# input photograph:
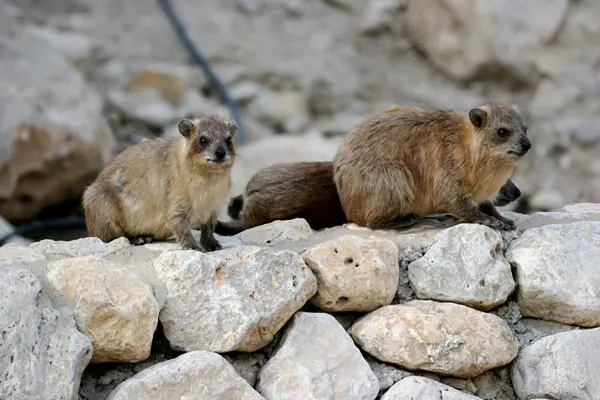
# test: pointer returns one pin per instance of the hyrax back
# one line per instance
(302, 190)
(407, 162)
(164, 187)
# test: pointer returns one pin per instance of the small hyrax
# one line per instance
(302, 190)
(164, 187)
(405, 163)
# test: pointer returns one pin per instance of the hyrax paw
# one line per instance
(190, 246)
(212, 245)
(509, 225)
(494, 223)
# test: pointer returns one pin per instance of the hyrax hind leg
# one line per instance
(489, 209)
(102, 213)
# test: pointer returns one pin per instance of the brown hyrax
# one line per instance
(163, 187)
(302, 190)
(405, 163)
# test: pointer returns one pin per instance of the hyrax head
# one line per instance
(211, 140)
(502, 131)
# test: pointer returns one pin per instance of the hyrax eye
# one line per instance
(228, 141)
(502, 132)
(203, 140)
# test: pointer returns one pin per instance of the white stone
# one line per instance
(230, 300)
(87, 246)
(317, 360)
(42, 355)
(591, 210)
(354, 273)
(50, 122)
(561, 366)
(443, 338)
(276, 232)
(111, 305)
(74, 46)
(193, 375)
(461, 37)
(557, 272)
(420, 388)
(464, 265)
(288, 110)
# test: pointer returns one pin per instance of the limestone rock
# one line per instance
(75, 47)
(87, 246)
(461, 37)
(464, 265)
(50, 122)
(42, 355)
(380, 15)
(111, 305)
(247, 365)
(283, 111)
(548, 218)
(150, 107)
(442, 338)
(193, 375)
(591, 210)
(561, 366)
(276, 232)
(317, 360)
(354, 273)
(170, 80)
(556, 272)
(230, 300)
(420, 388)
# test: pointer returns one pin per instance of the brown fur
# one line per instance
(302, 190)
(406, 163)
(163, 187)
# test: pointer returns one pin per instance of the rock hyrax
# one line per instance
(163, 187)
(302, 190)
(405, 163)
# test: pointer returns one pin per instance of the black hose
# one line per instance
(187, 43)
(189, 46)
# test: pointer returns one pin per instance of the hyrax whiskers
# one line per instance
(405, 163)
(164, 187)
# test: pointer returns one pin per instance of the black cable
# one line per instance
(189, 46)
(187, 43)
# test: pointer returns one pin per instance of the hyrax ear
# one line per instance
(233, 128)
(185, 127)
(478, 117)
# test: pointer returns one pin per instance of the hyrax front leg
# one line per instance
(469, 211)
(207, 237)
(180, 226)
(489, 209)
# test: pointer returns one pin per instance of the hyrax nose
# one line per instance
(220, 153)
(525, 144)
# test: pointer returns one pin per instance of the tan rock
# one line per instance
(420, 388)
(193, 375)
(354, 273)
(51, 122)
(113, 306)
(230, 300)
(317, 360)
(444, 338)
(88, 246)
(171, 80)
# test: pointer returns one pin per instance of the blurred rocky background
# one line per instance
(80, 80)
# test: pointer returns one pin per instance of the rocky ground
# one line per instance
(83, 79)
(438, 311)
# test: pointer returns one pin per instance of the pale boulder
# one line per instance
(561, 366)
(111, 305)
(193, 375)
(420, 388)
(232, 299)
(557, 272)
(42, 355)
(443, 338)
(354, 273)
(464, 265)
(317, 360)
(276, 232)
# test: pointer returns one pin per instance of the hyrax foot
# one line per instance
(140, 240)
(210, 243)
(496, 223)
(190, 244)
